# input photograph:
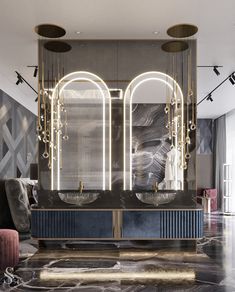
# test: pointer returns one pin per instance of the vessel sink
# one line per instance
(156, 198)
(77, 198)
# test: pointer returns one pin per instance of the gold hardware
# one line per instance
(81, 186)
(117, 224)
(155, 187)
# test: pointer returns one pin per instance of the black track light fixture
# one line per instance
(19, 79)
(215, 69)
(209, 97)
(232, 78)
(35, 72)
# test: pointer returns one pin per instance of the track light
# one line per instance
(19, 79)
(209, 97)
(232, 79)
(215, 69)
(35, 73)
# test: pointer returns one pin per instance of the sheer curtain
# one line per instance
(219, 156)
(230, 153)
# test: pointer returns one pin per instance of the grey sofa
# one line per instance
(15, 200)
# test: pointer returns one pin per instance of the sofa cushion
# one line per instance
(32, 188)
(18, 201)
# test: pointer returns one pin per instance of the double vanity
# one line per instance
(120, 118)
(123, 215)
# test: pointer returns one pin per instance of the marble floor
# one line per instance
(213, 265)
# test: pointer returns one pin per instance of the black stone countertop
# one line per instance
(115, 200)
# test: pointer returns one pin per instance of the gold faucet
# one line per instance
(81, 186)
(155, 187)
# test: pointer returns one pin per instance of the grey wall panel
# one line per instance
(204, 136)
(17, 138)
(205, 171)
(205, 153)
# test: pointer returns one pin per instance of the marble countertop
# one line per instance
(116, 200)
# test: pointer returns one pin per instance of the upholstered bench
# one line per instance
(9, 248)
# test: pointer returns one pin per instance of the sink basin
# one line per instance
(77, 198)
(156, 198)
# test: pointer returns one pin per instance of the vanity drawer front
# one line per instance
(163, 224)
(71, 224)
(139, 224)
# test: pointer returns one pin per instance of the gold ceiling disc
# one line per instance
(174, 46)
(57, 46)
(49, 31)
(182, 30)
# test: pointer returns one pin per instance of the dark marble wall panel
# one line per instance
(150, 144)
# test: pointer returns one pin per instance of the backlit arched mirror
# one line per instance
(80, 133)
(154, 148)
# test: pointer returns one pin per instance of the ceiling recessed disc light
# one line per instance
(155, 32)
(174, 46)
(182, 30)
(57, 46)
(78, 32)
(49, 30)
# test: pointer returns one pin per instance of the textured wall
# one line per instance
(18, 147)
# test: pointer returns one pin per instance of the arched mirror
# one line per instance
(80, 133)
(154, 149)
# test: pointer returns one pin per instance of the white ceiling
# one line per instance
(124, 19)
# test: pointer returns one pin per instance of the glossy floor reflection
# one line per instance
(214, 265)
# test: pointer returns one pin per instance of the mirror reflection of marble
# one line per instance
(155, 152)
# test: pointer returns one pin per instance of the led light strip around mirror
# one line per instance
(80, 76)
(132, 87)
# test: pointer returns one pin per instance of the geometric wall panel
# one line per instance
(18, 146)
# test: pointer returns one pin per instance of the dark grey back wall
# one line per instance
(18, 146)
(117, 62)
